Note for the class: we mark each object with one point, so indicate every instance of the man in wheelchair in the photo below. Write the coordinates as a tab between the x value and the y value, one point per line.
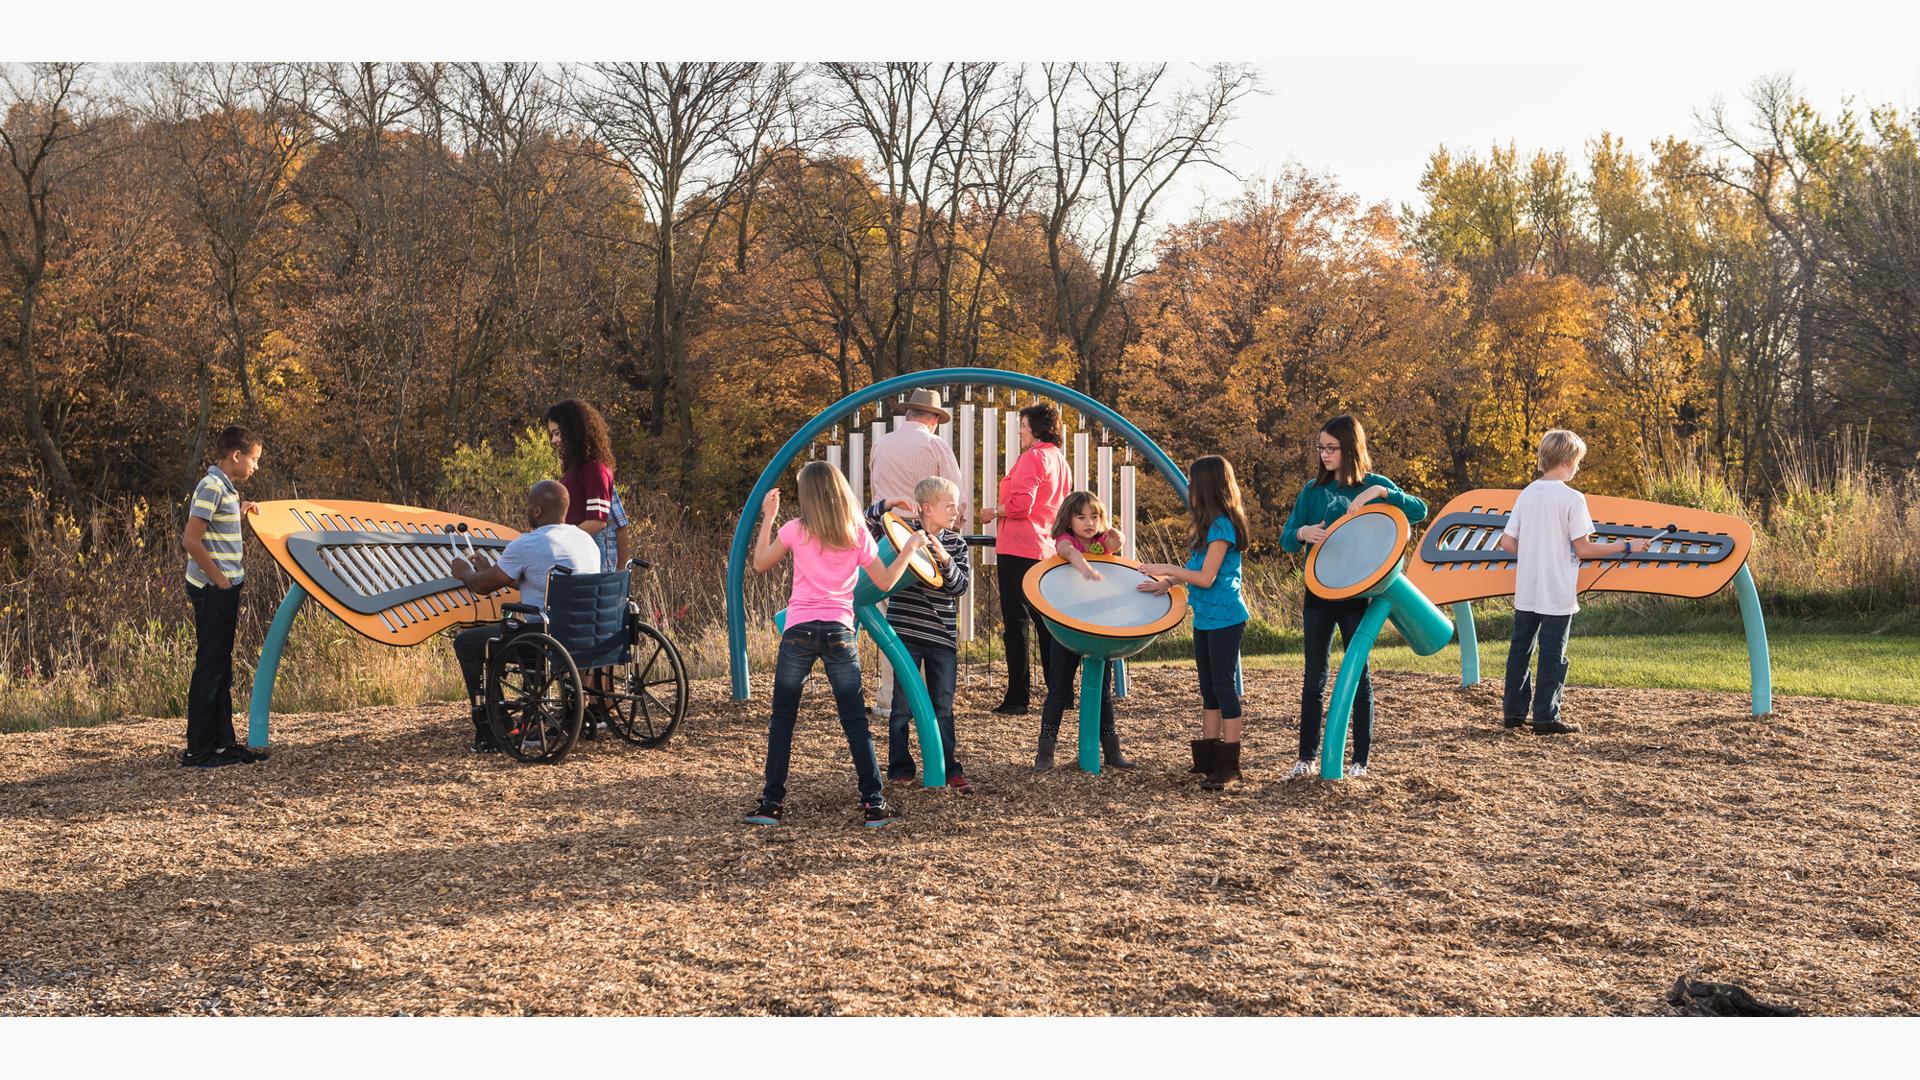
525	563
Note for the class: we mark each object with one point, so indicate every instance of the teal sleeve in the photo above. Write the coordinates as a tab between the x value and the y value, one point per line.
1289	535
1411	505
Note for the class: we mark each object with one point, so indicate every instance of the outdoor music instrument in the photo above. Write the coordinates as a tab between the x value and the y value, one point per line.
1361	555
385	570
1100	621
1459	561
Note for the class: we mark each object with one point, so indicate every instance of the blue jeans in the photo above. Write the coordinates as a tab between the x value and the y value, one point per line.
800	646
940	667
1552	632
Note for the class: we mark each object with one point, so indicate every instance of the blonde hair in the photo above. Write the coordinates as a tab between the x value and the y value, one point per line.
1561	447
928	489
1075	504
826	506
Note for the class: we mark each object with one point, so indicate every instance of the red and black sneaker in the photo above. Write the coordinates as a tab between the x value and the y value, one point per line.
959	784
767	813
877	813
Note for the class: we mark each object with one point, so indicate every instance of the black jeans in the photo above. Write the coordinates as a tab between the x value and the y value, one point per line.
1319	618
470	647
1015	613
1216	655
1060	673
831	643
216	615
940	667
1551	631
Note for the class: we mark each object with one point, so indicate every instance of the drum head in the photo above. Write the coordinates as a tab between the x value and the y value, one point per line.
1113	607
1361	552
922	563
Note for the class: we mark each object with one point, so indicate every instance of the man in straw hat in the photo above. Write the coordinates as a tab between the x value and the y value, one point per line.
914	451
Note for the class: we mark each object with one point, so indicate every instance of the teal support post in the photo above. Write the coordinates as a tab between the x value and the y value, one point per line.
906	673
1119	678
1469	643
1759	660
1090	675
269	666
1333	741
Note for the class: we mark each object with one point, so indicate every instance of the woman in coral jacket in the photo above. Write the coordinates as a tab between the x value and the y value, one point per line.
1030	496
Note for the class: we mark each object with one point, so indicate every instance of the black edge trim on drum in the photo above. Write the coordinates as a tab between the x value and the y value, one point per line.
1718	545
305	548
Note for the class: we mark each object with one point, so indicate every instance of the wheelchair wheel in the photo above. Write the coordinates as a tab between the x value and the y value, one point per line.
534	704
649	691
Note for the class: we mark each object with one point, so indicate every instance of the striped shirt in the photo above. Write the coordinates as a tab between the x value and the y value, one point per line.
922	615
217	502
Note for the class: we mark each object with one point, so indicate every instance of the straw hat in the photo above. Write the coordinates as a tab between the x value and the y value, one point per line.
928	401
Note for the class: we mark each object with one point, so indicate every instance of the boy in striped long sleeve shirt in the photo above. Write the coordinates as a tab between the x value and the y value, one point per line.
925	620
215	569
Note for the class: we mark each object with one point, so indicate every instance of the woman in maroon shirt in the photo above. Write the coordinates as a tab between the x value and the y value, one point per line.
579	435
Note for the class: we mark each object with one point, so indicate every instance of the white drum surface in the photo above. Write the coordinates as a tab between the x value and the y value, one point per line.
1114	601
1355	551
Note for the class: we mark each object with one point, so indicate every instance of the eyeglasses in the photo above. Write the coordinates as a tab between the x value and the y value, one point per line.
1329	448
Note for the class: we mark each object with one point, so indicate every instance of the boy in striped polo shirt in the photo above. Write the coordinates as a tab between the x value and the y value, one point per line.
924	619
214	572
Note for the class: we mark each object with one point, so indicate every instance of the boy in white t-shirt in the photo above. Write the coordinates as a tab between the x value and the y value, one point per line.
1548	532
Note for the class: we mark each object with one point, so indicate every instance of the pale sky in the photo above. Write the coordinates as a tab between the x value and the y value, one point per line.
1372	125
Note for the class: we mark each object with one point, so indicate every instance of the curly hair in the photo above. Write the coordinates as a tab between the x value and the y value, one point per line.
583	434
1044	421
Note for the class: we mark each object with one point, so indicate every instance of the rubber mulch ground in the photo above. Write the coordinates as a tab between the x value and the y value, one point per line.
375	867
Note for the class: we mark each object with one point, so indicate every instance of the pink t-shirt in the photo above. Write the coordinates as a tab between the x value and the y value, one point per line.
823	578
1104	544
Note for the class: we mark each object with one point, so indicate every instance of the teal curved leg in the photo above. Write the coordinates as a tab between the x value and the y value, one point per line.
1119	678
1469	643
269	667
1090	675
906	673
1333	742
1759	661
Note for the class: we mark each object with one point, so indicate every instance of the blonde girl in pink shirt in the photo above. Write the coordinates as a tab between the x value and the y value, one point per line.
1030	497
830	546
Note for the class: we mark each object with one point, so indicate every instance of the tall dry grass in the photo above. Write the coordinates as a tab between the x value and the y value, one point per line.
95	625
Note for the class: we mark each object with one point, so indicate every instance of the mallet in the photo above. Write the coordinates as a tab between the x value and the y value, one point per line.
1646	549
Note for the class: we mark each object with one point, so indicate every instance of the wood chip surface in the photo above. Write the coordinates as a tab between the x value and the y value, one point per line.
374	867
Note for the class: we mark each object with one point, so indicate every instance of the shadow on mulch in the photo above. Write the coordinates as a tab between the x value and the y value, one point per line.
375	867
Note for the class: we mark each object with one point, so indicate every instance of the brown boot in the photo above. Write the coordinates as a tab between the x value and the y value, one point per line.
1110	753
1226	768
1043	757
1204	751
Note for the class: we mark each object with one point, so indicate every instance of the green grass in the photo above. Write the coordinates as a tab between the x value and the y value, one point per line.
1820	659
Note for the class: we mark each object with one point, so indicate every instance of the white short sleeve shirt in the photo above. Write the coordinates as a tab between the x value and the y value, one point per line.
1547	517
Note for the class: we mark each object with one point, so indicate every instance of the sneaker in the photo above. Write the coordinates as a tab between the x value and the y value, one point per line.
1005	709
207	759
1513	723
901	776
483	742
878	813
959	784
1555	727
767	813
247	755
1359	770
1301	770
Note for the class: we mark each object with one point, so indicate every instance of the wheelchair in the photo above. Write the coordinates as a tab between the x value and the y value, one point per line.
536	695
